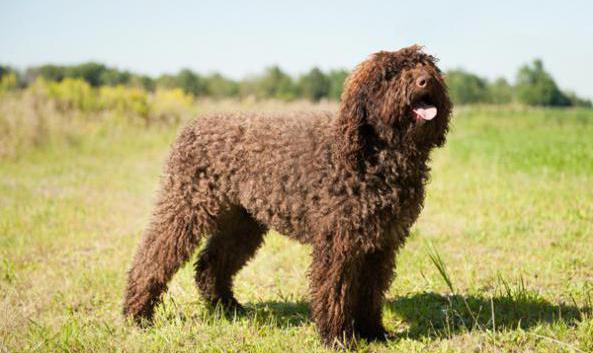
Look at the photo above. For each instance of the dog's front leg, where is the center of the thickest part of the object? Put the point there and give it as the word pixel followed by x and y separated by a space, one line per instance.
pixel 376 273
pixel 334 289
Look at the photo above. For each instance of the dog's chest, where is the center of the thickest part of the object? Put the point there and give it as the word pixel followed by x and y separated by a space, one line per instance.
pixel 397 193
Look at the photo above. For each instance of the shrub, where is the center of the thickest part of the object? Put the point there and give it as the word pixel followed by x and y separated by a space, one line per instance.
pixel 62 112
pixel 8 82
pixel 577 101
pixel 466 88
pixel 315 85
pixel 273 83
pixel 500 92
pixel 190 83
pixel 68 94
pixel 171 105
pixel 124 100
pixel 535 86
pixel 217 86
pixel 336 83
pixel 47 72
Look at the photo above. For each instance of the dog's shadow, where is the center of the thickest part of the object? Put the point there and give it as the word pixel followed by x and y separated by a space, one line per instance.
pixel 430 315
pixel 279 313
pixel 435 315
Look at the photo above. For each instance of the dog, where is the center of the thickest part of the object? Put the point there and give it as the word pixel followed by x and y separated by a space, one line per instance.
pixel 351 184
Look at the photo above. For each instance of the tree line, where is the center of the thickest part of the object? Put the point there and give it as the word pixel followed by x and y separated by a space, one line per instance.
pixel 533 85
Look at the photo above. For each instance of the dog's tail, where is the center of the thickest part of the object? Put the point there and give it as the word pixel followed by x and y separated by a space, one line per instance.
pixel 180 219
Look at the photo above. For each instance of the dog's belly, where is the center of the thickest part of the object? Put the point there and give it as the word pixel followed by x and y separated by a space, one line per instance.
pixel 288 221
pixel 279 208
pixel 286 202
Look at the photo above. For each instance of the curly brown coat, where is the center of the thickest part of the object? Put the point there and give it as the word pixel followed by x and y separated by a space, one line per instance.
pixel 351 185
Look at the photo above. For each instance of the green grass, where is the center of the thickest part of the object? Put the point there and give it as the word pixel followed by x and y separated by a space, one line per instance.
pixel 500 260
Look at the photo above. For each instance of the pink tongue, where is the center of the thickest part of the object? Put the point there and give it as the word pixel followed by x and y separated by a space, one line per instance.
pixel 426 112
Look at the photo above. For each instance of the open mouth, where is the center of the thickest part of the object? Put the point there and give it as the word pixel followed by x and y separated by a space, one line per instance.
pixel 424 110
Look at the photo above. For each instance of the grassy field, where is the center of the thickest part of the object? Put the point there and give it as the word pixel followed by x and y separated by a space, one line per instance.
pixel 501 259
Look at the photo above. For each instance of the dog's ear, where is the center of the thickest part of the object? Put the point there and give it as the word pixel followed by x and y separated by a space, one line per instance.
pixel 353 113
pixel 351 118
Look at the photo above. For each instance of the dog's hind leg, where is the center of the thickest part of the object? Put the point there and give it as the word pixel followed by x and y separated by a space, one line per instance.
pixel 236 240
pixel 169 241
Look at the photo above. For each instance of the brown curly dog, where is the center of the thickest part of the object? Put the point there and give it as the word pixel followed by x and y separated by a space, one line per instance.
pixel 350 184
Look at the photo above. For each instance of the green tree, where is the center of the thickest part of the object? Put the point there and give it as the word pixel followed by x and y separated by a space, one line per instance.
pixel 4 70
pixel 466 88
pixel 535 86
pixel 315 85
pixel 248 87
pixel 218 86
pixel 8 82
pixel 275 83
pixel 336 83
pixel 144 81
pixel 91 72
pixel 10 78
pixel 577 101
pixel 49 72
pixel 500 91
pixel 166 81
pixel 113 77
pixel 191 83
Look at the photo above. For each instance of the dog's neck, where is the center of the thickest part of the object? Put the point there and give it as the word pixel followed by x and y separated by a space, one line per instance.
pixel 386 140
pixel 401 155
pixel 392 160
pixel 362 147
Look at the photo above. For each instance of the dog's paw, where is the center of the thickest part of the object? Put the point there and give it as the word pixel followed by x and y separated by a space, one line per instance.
pixel 229 305
pixel 378 334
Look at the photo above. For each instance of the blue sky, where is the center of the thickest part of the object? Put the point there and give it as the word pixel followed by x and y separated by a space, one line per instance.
pixel 239 38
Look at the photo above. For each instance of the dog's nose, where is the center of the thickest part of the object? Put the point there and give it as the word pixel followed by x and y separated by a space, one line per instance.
pixel 422 81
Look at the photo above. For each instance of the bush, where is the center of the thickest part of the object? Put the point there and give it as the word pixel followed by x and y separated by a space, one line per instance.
pixel 68 94
pixel 536 87
pixel 466 88
pixel 75 95
pixel 63 112
pixel 273 83
pixel 336 83
pixel 92 73
pixel 217 86
pixel 190 83
pixel 315 85
pixel 577 101
pixel 500 92
pixel 8 82
pixel 145 82
pixel 111 77
pixel 53 73
pixel 124 100
pixel 171 105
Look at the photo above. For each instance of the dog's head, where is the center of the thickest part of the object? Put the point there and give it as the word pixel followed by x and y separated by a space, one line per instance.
pixel 397 98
